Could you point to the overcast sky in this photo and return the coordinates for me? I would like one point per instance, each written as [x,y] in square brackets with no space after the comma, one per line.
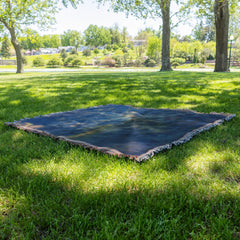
[89,13]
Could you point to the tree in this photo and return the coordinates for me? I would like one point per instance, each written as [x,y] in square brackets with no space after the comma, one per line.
[205,32]
[124,35]
[97,36]
[115,35]
[144,35]
[15,15]
[51,41]
[72,38]
[234,25]
[154,48]
[5,49]
[221,10]
[144,9]
[31,41]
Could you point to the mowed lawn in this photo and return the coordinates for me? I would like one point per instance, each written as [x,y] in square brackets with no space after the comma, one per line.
[53,190]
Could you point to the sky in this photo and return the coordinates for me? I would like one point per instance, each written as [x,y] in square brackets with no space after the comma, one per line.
[88,13]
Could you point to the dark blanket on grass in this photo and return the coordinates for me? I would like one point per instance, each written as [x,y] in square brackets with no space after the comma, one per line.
[137,133]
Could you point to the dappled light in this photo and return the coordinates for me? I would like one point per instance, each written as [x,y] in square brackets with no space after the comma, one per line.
[50,188]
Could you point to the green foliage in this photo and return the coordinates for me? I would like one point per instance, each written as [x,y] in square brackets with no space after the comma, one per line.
[105,51]
[138,62]
[5,49]
[145,35]
[73,61]
[178,60]
[74,51]
[154,48]
[175,64]
[192,50]
[119,60]
[115,47]
[125,50]
[140,51]
[51,41]
[97,62]
[77,62]
[54,62]
[109,47]
[124,35]
[63,54]
[234,25]
[115,35]
[71,38]
[31,40]
[86,52]
[126,59]
[118,52]
[24,60]
[68,60]
[97,36]
[96,50]
[17,14]
[109,62]
[38,62]
[205,33]
[150,62]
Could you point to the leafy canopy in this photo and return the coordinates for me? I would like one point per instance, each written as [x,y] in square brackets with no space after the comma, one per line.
[21,13]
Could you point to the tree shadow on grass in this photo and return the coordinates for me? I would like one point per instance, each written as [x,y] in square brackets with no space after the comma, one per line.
[38,95]
[53,93]
[46,205]
[106,197]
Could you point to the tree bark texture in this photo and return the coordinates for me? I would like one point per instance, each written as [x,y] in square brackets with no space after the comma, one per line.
[165,9]
[17,48]
[221,12]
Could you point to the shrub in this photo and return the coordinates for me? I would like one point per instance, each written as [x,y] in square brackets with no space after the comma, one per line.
[178,60]
[118,52]
[54,62]
[105,52]
[126,59]
[24,60]
[109,48]
[38,62]
[96,50]
[175,64]
[86,52]
[203,59]
[76,62]
[119,60]
[68,60]
[74,51]
[131,46]
[63,54]
[150,62]
[138,62]
[109,61]
[125,50]
[97,62]
[115,46]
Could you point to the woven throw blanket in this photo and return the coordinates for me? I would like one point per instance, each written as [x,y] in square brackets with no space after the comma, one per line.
[125,131]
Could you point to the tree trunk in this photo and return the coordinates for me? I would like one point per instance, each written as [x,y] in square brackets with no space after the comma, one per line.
[165,8]
[17,48]
[221,12]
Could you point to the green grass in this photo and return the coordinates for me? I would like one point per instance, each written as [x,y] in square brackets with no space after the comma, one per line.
[52,190]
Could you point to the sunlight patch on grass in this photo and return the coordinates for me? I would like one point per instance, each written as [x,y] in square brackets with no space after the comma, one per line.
[51,189]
